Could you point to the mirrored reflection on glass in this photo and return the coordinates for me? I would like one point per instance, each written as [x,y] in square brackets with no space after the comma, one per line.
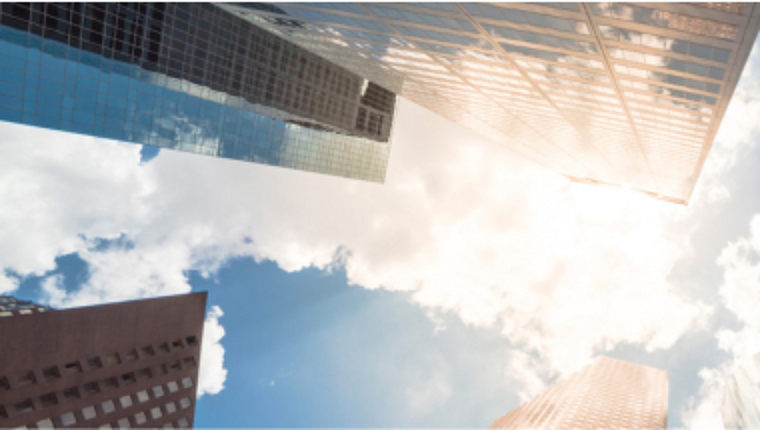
[525,17]
[666,19]
[228,89]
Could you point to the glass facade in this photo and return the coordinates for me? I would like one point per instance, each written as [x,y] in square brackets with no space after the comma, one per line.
[191,77]
[11,306]
[741,401]
[603,92]
[606,394]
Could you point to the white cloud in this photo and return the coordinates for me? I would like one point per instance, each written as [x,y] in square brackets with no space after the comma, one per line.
[426,396]
[706,414]
[563,269]
[524,369]
[52,288]
[7,284]
[740,294]
[212,374]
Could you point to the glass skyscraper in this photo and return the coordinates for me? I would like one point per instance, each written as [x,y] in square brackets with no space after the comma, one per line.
[191,77]
[741,401]
[628,94]
[607,394]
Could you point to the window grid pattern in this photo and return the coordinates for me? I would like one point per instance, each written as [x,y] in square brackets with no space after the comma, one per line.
[189,77]
[11,306]
[606,394]
[116,400]
[672,60]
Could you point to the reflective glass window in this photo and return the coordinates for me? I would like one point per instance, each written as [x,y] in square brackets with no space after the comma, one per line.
[667,19]
[339,19]
[421,18]
[524,17]
[538,38]
[436,35]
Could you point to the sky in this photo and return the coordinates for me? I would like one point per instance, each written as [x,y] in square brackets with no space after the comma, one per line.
[467,283]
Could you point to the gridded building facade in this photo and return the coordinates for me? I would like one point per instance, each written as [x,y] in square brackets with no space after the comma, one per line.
[191,77]
[131,364]
[606,394]
[628,94]
[10,306]
[741,401]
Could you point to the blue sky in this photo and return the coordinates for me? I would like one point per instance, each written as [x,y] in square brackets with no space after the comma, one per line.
[468,282]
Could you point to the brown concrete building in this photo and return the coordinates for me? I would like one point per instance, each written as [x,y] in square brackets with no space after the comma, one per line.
[131,364]
[606,394]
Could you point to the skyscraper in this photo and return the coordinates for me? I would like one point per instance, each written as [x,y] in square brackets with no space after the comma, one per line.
[604,395]
[741,401]
[191,77]
[627,94]
[131,364]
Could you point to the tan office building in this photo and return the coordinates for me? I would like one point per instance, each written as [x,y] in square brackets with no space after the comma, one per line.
[606,394]
[621,93]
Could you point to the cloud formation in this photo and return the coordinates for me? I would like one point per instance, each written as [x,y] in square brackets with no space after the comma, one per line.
[563,269]
[740,295]
[212,374]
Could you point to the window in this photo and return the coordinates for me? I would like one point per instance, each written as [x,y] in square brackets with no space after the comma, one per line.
[26,379]
[111,383]
[155,413]
[4,383]
[191,340]
[24,406]
[95,363]
[148,350]
[3,412]
[131,355]
[113,359]
[170,408]
[184,403]
[123,423]
[142,396]
[190,361]
[187,382]
[91,388]
[48,399]
[47,423]
[108,406]
[145,373]
[105,427]
[128,378]
[182,422]
[71,393]
[51,373]
[68,419]
[140,418]
[88,412]
[168,426]
[126,401]
[173,387]
[73,367]
[164,347]
[158,391]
